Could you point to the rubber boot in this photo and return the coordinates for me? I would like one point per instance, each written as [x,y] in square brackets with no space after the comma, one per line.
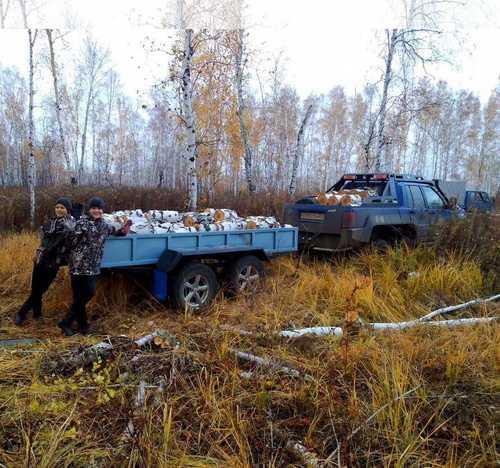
[37,311]
[65,326]
[85,329]
[22,314]
[20,318]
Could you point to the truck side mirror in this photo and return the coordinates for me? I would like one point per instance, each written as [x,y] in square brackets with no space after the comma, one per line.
[453,202]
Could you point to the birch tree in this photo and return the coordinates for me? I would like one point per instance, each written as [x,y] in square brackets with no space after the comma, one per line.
[415,43]
[4,10]
[240,66]
[392,39]
[299,149]
[189,119]
[488,167]
[31,129]
[94,62]
[57,101]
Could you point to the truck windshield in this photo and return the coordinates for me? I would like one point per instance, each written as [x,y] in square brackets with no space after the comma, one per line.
[371,185]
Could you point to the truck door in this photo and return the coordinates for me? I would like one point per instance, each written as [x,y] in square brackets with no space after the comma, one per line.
[437,209]
[417,210]
[487,203]
[479,201]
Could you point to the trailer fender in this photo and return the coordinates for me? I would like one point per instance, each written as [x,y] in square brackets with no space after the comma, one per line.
[169,260]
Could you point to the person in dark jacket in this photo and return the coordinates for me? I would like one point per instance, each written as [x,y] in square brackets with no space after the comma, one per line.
[87,246]
[51,255]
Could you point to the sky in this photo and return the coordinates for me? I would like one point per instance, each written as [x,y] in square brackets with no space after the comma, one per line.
[322,43]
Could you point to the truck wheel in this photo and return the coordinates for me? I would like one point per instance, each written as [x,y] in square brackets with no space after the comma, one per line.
[195,287]
[245,275]
[406,241]
[380,245]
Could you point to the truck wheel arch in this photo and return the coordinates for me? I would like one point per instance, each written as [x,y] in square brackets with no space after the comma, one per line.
[394,232]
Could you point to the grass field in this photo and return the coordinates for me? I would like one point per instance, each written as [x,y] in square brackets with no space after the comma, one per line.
[426,396]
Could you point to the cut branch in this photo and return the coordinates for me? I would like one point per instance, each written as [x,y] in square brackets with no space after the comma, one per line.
[312,331]
[264,362]
[442,323]
[447,310]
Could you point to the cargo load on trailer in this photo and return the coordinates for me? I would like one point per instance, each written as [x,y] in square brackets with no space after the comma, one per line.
[209,220]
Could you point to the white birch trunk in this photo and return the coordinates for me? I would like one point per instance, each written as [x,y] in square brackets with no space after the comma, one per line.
[440,323]
[312,331]
[57,98]
[189,120]
[391,45]
[84,134]
[447,310]
[271,364]
[31,131]
[248,156]
[299,150]
[24,13]
[4,9]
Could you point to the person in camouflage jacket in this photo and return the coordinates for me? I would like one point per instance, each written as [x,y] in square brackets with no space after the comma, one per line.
[52,254]
[87,247]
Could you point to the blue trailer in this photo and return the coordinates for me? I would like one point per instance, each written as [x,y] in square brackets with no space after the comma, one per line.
[189,267]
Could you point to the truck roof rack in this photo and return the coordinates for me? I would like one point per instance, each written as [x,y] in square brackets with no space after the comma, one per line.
[378,175]
[408,176]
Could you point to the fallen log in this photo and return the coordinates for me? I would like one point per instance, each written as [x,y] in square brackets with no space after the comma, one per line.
[440,323]
[424,320]
[163,335]
[271,364]
[447,310]
[89,355]
[140,399]
[312,331]
[310,459]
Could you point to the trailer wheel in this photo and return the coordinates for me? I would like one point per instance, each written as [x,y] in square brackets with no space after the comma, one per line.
[195,287]
[245,275]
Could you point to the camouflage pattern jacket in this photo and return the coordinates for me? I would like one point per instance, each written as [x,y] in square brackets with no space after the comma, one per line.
[87,245]
[54,235]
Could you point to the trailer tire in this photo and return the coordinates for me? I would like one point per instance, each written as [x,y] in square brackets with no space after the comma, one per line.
[244,275]
[195,287]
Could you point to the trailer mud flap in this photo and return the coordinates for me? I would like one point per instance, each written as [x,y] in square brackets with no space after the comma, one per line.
[160,288]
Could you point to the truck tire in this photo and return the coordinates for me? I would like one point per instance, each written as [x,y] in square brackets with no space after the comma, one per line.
[406,241]
[380,245]
[244,275]
[195,287]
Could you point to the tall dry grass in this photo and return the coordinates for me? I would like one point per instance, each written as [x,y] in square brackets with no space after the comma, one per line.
[210,415]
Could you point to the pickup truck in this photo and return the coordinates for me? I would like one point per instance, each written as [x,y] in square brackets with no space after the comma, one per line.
[189,267]
[400,208]
[477,201]
[468,200]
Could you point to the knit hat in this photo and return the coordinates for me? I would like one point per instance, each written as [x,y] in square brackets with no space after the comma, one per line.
[96,202]
[66,202]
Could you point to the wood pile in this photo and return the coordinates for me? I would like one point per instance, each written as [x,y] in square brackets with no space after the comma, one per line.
[354,197]
[211,219]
